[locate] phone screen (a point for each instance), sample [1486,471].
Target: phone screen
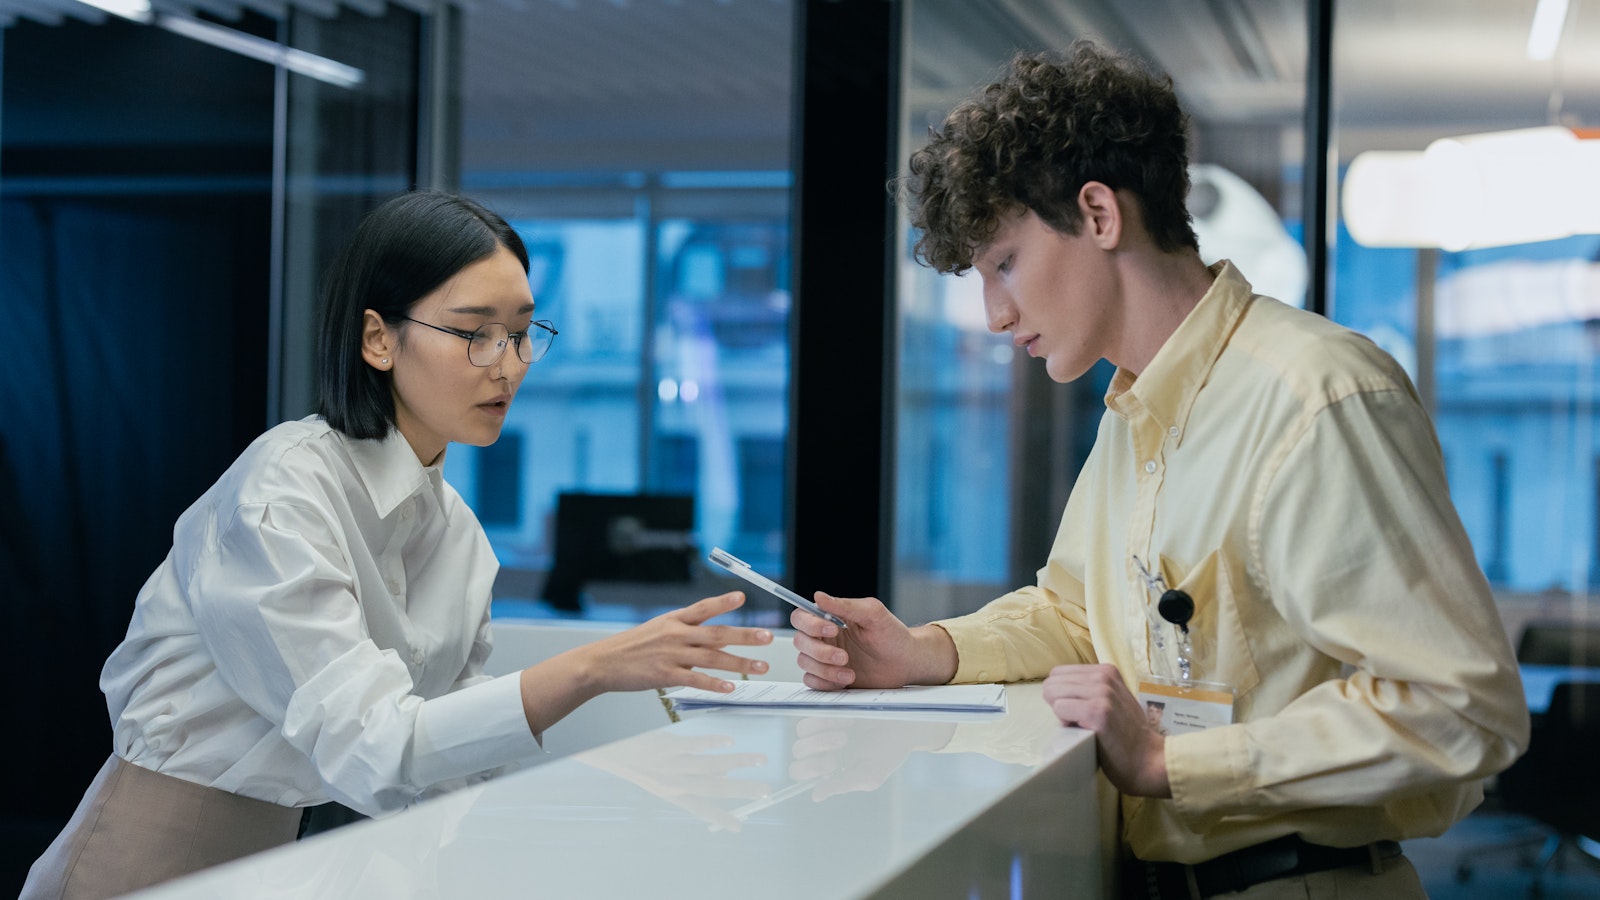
[742,569]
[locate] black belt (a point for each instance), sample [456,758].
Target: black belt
[1283,857]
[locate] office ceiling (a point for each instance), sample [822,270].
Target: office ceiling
[703,83]
[1407,71]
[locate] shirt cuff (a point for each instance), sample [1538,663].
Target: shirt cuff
[473,730]
[1208,771]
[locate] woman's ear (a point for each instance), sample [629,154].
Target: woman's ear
[1102,214]
[377,341]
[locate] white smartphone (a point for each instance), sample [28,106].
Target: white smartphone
[742,569]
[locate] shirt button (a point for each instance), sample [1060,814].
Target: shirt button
[416,656]
[1150,467]
[1173,431]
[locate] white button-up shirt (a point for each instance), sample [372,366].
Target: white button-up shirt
[318,632]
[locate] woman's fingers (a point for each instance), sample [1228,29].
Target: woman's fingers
[701,610]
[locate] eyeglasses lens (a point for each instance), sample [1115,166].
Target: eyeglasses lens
[488,344]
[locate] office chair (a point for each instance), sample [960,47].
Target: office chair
[1554,783]
[1517,790]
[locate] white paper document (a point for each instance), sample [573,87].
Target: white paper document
[794,695]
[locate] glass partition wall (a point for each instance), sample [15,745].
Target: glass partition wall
[170,186]
[642,150]
[987,447]
[1467,247]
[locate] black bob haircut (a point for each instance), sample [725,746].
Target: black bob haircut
[399,254]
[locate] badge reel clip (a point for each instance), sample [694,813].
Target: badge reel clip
[1176,606]
[1181,704]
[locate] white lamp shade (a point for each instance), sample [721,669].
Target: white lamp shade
[1483,190]
[1507,187]
[1385,200]
[1240,225]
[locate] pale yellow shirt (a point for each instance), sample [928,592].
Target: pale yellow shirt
[1284,474]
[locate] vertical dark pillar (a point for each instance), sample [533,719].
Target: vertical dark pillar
[842,339]
[1320,159]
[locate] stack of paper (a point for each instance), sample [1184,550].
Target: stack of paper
[794,695]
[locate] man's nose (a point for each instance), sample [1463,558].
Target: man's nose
[997,308]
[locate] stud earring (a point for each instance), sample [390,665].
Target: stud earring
[385,360]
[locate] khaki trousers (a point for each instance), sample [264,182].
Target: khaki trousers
[135,828]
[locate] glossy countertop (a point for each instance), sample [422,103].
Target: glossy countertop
[736,804]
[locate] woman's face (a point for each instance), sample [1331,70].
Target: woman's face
[439,395]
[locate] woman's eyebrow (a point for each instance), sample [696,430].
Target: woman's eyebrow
[486,310]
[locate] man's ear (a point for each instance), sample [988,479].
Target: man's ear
[377,341]
[1101,209]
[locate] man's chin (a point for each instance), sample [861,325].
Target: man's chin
[1064,372]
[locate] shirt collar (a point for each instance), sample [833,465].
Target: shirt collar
[389,470]
[1168,386]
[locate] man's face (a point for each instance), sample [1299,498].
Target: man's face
[1051,291]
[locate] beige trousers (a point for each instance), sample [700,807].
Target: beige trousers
[135,828]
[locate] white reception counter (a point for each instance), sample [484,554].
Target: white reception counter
[736,805]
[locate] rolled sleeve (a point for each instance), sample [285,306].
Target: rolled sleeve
[1018,637]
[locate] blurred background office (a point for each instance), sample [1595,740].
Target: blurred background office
[749,358]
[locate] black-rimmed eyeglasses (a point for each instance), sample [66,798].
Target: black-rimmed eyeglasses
[487,344]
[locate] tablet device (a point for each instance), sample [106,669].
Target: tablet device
[742,569]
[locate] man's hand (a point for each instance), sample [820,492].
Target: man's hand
[1132,753]
[876,651]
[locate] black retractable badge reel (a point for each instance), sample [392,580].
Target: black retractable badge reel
[1177,607]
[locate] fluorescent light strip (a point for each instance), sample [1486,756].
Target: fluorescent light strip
[137,10]
[1549,18]
[318,67]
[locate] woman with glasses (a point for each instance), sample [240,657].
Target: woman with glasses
[318,631]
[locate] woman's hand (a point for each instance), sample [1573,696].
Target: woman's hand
[666,651]
[663,652]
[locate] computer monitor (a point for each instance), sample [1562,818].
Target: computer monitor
[618,537]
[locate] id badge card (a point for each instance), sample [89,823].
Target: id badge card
[1178,707]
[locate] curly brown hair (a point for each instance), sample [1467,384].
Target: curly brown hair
[1035,137]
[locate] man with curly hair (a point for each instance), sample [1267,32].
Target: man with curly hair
[1262,538]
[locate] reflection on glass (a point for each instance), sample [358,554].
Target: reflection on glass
[657,223]
[684,770]
[1502,341]
[840,755]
